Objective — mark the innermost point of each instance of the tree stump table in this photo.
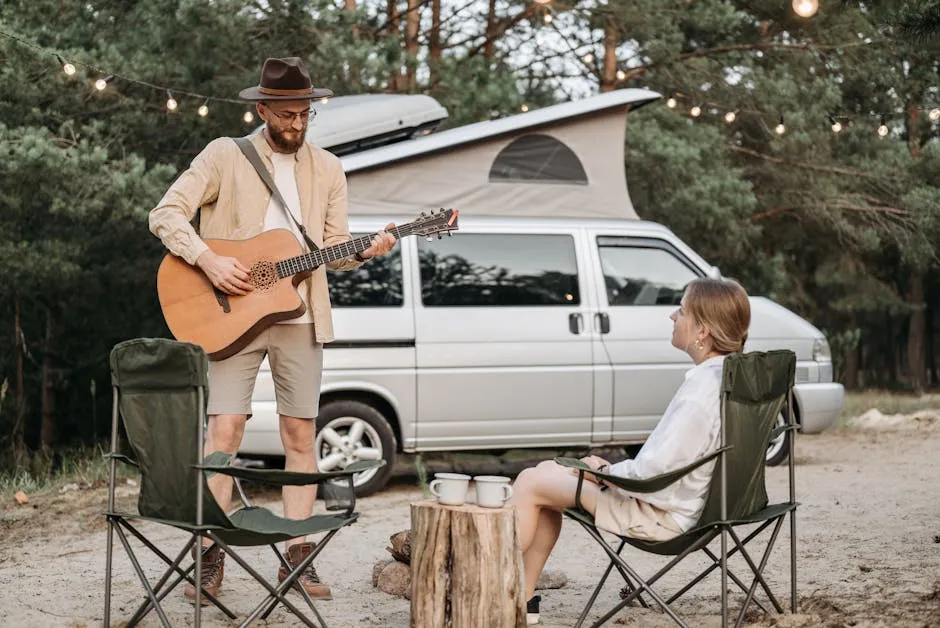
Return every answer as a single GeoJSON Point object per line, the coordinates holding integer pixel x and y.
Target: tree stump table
{"type": "Point", "coordinates": [466, 567]}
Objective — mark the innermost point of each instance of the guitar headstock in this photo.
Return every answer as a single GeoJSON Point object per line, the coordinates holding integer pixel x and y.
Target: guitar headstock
{"type": "Point", "coordinates": [440, 222]}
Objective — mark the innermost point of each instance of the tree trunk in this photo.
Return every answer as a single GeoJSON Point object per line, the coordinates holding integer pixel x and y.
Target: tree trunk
{"type": "Point", "coordinates": [466, 566]}
{"type": "Point", "coordinates": [18, 437]}
{"type": "Point", "coordinates": [412, 22]}
{"type": "Point", "coordinates": [350, 5]}
{"type": "Point", "coordinates": [49, 374]}
{"type": "Point", "coordinates": [434, 43]}
{"type": "Point", "coordinates": [609, 72]}
{"type": "Point", "coordinates": [489, 46]}
{"type": "Point", "coordinates": [917, 333]}
{"type": "Point", "coordinates": [394, 30]}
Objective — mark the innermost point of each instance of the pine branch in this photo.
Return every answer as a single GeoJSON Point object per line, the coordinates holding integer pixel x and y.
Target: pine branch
{"type": "Point", "coordinates": [805, 165]}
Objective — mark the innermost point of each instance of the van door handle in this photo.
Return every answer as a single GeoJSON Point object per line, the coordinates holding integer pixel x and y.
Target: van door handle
{"type": "Point", "coordinates": [575, 323]}
{"type": "Point", "coordinates": [602, 322]}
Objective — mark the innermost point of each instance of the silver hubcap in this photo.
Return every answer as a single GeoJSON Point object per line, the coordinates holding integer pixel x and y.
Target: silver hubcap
{"type": "Point", "coordinates": [776, 444]}
{"type": "Point", "coordinates": [346, 440]}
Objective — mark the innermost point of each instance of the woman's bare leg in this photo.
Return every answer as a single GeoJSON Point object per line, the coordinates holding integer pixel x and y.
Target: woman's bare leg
{"type": "Point", "coordinates": [540, 494]}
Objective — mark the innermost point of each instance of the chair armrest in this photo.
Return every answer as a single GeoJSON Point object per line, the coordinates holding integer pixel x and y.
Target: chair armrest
{"type": "Point", "coordinates": [215, 463]}
{"type": "Point", "coordinates": [122, 458]}
{"type": "Point", "coordinates": [783, 428]}
{"type": "Point", "coordinates": [646, 485]}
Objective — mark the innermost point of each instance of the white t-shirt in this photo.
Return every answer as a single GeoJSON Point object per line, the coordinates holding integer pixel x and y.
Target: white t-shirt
{"type": "Point", "coordinates": [275, 218]}
{"type": "Point", "coordinates": [689, 430]}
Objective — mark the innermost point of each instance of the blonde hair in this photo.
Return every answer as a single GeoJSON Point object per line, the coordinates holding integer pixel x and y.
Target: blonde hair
{"type": "Point", "coordinates": [722, 306]}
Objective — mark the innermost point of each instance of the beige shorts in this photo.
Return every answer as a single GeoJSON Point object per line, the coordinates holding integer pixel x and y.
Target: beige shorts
{"type": "Point", "coordinates": [296, 361]}
{"type": "Point", "coordinates": [625, 515]}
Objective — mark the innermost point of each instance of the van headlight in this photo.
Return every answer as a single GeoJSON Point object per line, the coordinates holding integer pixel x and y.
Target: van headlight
{"type": "Point", "coordinates": [821, 352]}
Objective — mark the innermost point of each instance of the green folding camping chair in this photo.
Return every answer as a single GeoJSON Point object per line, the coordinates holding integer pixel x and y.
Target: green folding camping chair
{"type": "Point", "coordinates": [160, 395]}
{"type": "Point", "coordinates": [755, 388]}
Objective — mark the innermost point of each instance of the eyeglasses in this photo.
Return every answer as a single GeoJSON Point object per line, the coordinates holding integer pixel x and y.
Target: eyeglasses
{"type": "Point", "coordinates": [288, 116]}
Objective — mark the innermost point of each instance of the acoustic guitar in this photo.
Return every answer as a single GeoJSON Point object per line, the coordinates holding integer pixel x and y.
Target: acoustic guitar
{"type": "Point", "coordinates": [223, 324]}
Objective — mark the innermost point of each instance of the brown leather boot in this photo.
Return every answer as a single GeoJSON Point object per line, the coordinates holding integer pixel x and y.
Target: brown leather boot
{"type": "Point", "coordinates": [308, 579]}
{"type": "Point", "coordinates": [213, 568]}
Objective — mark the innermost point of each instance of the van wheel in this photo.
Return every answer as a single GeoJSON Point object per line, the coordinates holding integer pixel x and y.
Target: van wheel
{"type": "Point", "coordinates": [349, 431]}
{"type": "Point", "coordinates": [779, 447]}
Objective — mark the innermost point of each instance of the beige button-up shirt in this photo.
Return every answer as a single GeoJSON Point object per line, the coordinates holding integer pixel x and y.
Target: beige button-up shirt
{"type": "Point", "coordinates": [234, 199]}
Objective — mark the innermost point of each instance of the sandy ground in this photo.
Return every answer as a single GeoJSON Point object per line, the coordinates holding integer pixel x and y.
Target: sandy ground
{"type": "Point", "coordinates": [868, 552]}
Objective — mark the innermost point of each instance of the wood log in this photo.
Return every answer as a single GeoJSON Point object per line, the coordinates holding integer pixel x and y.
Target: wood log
{"type": "Point", "coordinates": [466, 566]}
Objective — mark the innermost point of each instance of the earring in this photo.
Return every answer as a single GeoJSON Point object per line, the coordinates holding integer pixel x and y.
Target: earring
{"type": "Point", "coordinates": [699, 345]}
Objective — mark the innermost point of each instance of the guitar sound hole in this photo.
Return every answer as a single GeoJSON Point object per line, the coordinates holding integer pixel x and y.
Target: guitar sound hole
{"type": "Point", "coordinates": [264, 275]}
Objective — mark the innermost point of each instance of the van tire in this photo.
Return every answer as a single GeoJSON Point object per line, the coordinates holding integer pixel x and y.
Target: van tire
{"type": "Point", "coordinates": [779, 449]}
{"type": "Point", "coordinates": [339, 416]}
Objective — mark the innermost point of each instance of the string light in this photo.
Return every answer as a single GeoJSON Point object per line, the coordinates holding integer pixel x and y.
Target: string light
{"type": "Point", "coordinates": [695, 111]}
{"type": "Point", "coordinates": [934, 114]}
{"type": "Point", "coordinates": [67, 66]}
{"type": "Point", "coordinates": [171, 103]}
{"type": "Point", "coordinates": [248, 117]}
{"type": "Point", "coordinates": [589, 58]}
{"type": "Point", "coordinates": [883, 129]}
{"type": "Point", "coordinates": [731, 116]}
{"type": "Point", "coordinates": [835, 125]}
{"type": "Point", "coordinates": [621, 75]}
{"type": "Point", "coordinates": [805, 8]}
{"type": "Point", "coordinates": [524, 108]}
{"type": "Point", "coordinates": [781, 128]}
{"type": "Point", "coordinates": [203, 110]}
{"type": "Point", "coordinates": [671, 102]}
{"type": "Point", "coordinates": [547, 18]}
{"type": "Point", "coordinates": [102, 83]}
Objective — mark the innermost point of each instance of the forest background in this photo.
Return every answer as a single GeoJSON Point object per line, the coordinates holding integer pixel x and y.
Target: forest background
{"type": "Point", "coordinates": [822, 192]}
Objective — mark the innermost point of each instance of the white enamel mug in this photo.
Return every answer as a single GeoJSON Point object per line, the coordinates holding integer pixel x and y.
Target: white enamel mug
{"type": "Point", "coordinates": [493, 491]}
{"type": "Point", "coordinates": [450, 488]}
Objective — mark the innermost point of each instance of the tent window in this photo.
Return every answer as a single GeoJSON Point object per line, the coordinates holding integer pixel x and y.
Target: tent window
{"type": "Point", "coordinates": [539, 158]}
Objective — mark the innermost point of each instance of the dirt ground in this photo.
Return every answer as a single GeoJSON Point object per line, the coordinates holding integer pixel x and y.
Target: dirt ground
{"type": "Point", "coordinates": [868, 551]}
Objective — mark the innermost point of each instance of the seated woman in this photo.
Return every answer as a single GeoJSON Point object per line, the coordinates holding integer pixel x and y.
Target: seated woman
{"type": "Point", "coordinates": [711, 322]}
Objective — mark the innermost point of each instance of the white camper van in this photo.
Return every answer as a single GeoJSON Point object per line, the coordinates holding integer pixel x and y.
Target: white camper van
{"type": "Point", "coordinates": [543, 322]}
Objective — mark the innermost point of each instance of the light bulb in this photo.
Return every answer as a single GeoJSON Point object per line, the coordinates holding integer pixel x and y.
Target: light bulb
{"type": "Point", "coordinates": [934, 114]}
{"type": "Point", "coordinates": [548, 18]}
{"type": "Point", "coordinates": [68, 68]}
{"type": "Point", "coordinates": [248, 117]}
{"type": "Point", "coordinates": [203, 110]}
{"type": "Point", "coordinates": [805, 8]}
{"type": "Point", "coordinates": [524, 108]}
{"type": "Point", "coordinates": [171, 103]}
{"type": "Point", "coordinates": [695, 111]}
{"type": "Point", "coordinates": [730, 117]}
{"type": "Point", "coordinates": [836, 127]}
{"type": "Point", "coordinates": [883, 130]}
{"type": "Point", "coordinates": [100, 84]}
{"type": "Point", "coordinates": [780, 129]}
{"type": "Point", "coordinates": [588, 58]}
{"type": "Point", "coordinates": [671, 102]}
{"type": "Point", "coordinates": [621, 75]}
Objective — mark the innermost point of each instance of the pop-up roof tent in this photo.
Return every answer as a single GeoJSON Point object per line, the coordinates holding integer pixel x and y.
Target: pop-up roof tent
{"type": "Point", "coordinates": [560, 161]}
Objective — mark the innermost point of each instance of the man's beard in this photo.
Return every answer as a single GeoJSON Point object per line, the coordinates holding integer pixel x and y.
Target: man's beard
{"type": "Point", "coordinates": [286, 144]}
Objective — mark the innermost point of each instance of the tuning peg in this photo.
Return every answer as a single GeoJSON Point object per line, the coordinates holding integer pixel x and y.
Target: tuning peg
{"type": "Point", "coordinates": [450, 234]}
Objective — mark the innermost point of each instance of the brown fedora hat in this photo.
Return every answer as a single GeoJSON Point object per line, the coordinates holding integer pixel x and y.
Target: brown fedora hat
{"type": "Point", "coordinates": [284, 79]}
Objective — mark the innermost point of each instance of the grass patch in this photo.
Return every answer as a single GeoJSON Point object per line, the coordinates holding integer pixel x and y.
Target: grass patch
{"type": "Point", "coordinates": [85, 466]}
{"type": "Point", "coordinates": [857, 403]}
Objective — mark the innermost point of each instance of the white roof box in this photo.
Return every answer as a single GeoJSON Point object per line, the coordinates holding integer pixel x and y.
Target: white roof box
{"type": "Point", "coordinates": [348, 124]}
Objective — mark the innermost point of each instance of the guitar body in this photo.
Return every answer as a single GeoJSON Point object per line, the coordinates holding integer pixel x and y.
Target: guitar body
{"type": "Point", "coordinates": [224, 324]}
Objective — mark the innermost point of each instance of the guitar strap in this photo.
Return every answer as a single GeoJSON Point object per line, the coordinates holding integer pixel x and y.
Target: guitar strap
{"type": "Point", "coordinates": [255, 159]}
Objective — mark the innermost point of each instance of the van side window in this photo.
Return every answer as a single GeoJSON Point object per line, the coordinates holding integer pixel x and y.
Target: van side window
{"type": "Point", "coordinates": [499, 270]}
{"type": "Point", "coordinates": [377, 283]}
{"type": "Point", "coordinates": [640, 271]}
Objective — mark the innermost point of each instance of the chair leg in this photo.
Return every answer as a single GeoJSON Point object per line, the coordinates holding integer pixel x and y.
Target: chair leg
{"type": "Point", "coordinates": [174, 567]}
{"type": "Point", "coordinates": [758, 573]}
{"type": "Point", "coordinates": [276, 594]}
{"type": "Point", "coordinates": [597, 589]}
{"type": "Point", "coordinates": [109, 553]}
{"type": "Point", "coordinates": [792, 557]}
{"type": "Point", "coordinates": [303, 592]}
{"type": "Point", "coordinates": [143, 578]}
{"type": "Point", "coordinates": [642, 585]}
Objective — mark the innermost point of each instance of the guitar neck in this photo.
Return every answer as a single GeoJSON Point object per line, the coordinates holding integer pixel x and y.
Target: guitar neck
{"type": "Point", "coordinates": [314, 259]}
